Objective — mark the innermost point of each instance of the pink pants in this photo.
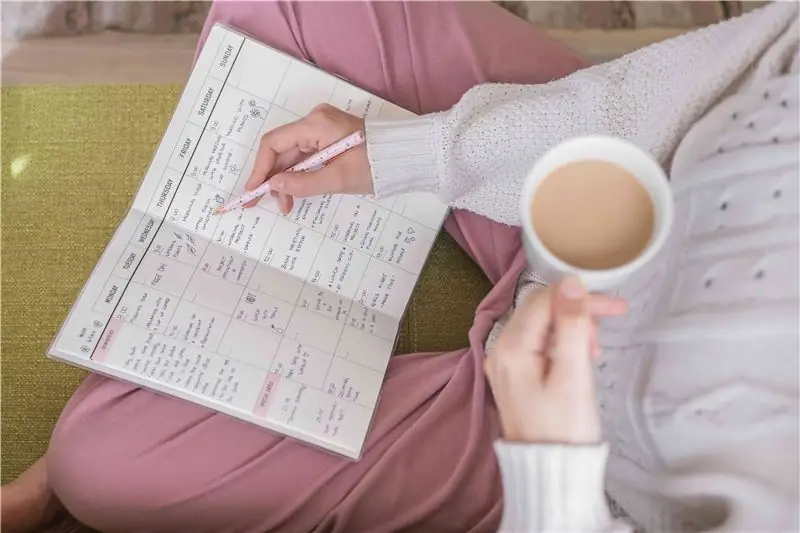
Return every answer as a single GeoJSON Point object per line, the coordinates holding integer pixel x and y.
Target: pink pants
{"type": "Point", "coordinates": [125, 459]}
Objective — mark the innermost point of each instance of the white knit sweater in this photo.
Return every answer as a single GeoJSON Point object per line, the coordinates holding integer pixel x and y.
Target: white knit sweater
{"type": "Point", "coordinates": [698, 386]}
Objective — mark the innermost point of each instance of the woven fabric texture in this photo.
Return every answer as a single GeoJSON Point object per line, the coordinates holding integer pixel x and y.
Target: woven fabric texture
{"type": "Point", "coordinates": [72, 158]}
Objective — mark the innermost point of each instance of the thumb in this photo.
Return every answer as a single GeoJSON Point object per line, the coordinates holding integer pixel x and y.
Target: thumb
{"type": "Point", "coordinates": [572, 334]}
{"type": "Point", "coordinates": [327, 180]}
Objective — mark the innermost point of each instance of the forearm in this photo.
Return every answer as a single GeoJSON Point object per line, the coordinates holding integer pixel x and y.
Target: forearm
{"type": "Point", "coordinates": [476, 155]}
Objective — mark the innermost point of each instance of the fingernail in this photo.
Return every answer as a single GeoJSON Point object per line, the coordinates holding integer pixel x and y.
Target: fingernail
{"type": "Point", "coordinates": [572, 289]}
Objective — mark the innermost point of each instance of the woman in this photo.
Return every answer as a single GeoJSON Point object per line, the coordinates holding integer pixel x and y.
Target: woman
{"type": "Point", "coordinates": [697, 387]}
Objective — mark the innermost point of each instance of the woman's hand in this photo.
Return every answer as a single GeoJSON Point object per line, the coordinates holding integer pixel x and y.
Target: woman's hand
{"type": "Point", "coordinates": [289, 144]}
{"type": "Point", "coordinates": [540, 369]}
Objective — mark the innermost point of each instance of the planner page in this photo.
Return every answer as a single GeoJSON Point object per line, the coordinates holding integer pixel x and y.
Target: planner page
{"type": "Point", "coordinates": [284, 321]}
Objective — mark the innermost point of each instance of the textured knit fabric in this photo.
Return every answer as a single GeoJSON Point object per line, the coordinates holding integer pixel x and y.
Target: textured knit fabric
{"type": "Point", "coordinates": [476, 155]}
{"type": "Point", "coordinates": [698, 386]}
{"type": "Point", "coordinates": [125, 459]}
{"type": "Point", "coordinates": [553, 488]}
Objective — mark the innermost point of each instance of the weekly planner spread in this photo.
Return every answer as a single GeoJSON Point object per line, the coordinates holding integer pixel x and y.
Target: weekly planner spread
{"type": "Point", "coordinates": [284, 321]}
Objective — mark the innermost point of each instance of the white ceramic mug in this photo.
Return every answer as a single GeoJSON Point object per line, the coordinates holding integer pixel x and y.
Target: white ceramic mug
{"type": "Point", "coordinates": [623, 154]}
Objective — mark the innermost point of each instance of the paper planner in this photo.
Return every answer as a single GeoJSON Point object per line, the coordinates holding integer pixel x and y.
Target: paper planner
{"type": "Point", "coordinates": [284, 321]}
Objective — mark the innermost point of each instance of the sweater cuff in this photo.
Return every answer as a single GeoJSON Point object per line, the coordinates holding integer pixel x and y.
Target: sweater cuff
{"type": "Point", "coordinates": [402, 155]}
{"type": "Point", "coordinates": [553, 488]}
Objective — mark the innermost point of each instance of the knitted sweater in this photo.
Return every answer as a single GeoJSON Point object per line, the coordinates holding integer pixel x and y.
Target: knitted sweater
{"type": "Point", "coordinates": [698, 386]}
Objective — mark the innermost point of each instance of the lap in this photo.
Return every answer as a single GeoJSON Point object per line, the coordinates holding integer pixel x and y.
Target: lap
{"type": "Point", "coordinates": [420, 55]}
{"type": "Point", "coordinates": [119, 450]}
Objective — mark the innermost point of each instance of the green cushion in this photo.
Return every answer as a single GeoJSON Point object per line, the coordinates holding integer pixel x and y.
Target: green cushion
{"type": "Point", "coordinates": [72, 158]}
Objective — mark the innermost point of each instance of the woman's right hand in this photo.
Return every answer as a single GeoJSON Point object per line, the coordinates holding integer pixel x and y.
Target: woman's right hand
{"type": "Point", "coordinates": [286, 145]}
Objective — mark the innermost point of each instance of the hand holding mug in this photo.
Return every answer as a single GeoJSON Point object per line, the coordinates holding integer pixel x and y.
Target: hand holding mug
{"type": "Point", "coordinates": [540, 369]}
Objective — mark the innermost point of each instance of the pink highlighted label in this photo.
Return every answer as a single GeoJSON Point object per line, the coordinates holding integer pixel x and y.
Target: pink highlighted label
{"type": "Point", "coordinates": [107, 340]}
{"type": "Point", "coordinates": [267, 392]}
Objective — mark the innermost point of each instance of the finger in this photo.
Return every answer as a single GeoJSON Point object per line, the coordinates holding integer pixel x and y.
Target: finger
{"type": "Point", "coordinates": [327, 180]}
{"type": "Point", "coordinates": [531, 322]}
{"type": "Point", "coordinates": [282, 161]}
{"type": "Point", "coordinates": [285, 203]}
{"type": "Point", "coordinates": [594, 345]}
{"type": "Point", "coordinates": [603, 305]}
{"type": "Point", "coordinates": [251, 203]}
{"type": "Point", "coordinates": [519, 349]}
{"type": "Point", "coordinates": [293, 136]}
{"type": "Point", "coordinates": [507, 374]}
{"type": "Point", "coordinates": [272, 194]}
{"type": "Point", "coordinates": [268, 161]}
{"type": "Point", "coordinates": [286, 160]}
{"type": "Point", "coordinates": [572, 334]}
{"type": "Point", "coordinates": [529, 327]}
{"type": "Point", "coordinates": [265, 161]}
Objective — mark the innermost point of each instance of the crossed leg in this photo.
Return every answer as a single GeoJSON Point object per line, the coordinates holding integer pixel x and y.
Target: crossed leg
{"type": "Point", "coordinates": [122, 458]}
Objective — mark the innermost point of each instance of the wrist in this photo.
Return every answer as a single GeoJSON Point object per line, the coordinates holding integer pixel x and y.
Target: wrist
{"type": "Point", "coordinates": [402, 155]}
{"type": "Point", "coordinates": [553, 488]}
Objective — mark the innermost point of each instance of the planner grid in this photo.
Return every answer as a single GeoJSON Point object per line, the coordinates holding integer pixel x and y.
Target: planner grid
{"type": "Point", "coordinates": [286, 321]}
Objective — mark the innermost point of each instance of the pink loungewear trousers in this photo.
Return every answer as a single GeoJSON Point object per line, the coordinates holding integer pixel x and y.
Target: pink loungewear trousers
{"type": "Point", "coordinates": [125, 459]}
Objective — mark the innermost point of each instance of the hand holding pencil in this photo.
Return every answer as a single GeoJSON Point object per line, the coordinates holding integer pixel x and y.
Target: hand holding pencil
{"type": "Point", "coordinates": [324, 133]}
{"type": "Point", "coordinates": [316, 162]}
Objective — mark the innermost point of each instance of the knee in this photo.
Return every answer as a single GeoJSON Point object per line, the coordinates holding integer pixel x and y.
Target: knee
{"type": "Point", "coordinates": [93, 473]}
{"type": "Point", "coordinates": [78, 472]}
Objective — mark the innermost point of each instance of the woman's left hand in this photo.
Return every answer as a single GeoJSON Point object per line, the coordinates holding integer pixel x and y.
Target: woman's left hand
{"type": "Point", "coordinates": [540, 369]}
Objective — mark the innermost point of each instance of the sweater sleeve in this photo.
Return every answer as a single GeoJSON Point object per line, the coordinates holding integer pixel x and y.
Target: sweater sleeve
{"type": "Point", "coordinates": [476, 155]}
{"type": "Point", "coordinates": [554, 489]}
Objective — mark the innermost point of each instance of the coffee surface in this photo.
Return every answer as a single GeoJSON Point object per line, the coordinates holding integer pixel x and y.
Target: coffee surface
{"type": "Point", "coordinates": [593, 214]}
